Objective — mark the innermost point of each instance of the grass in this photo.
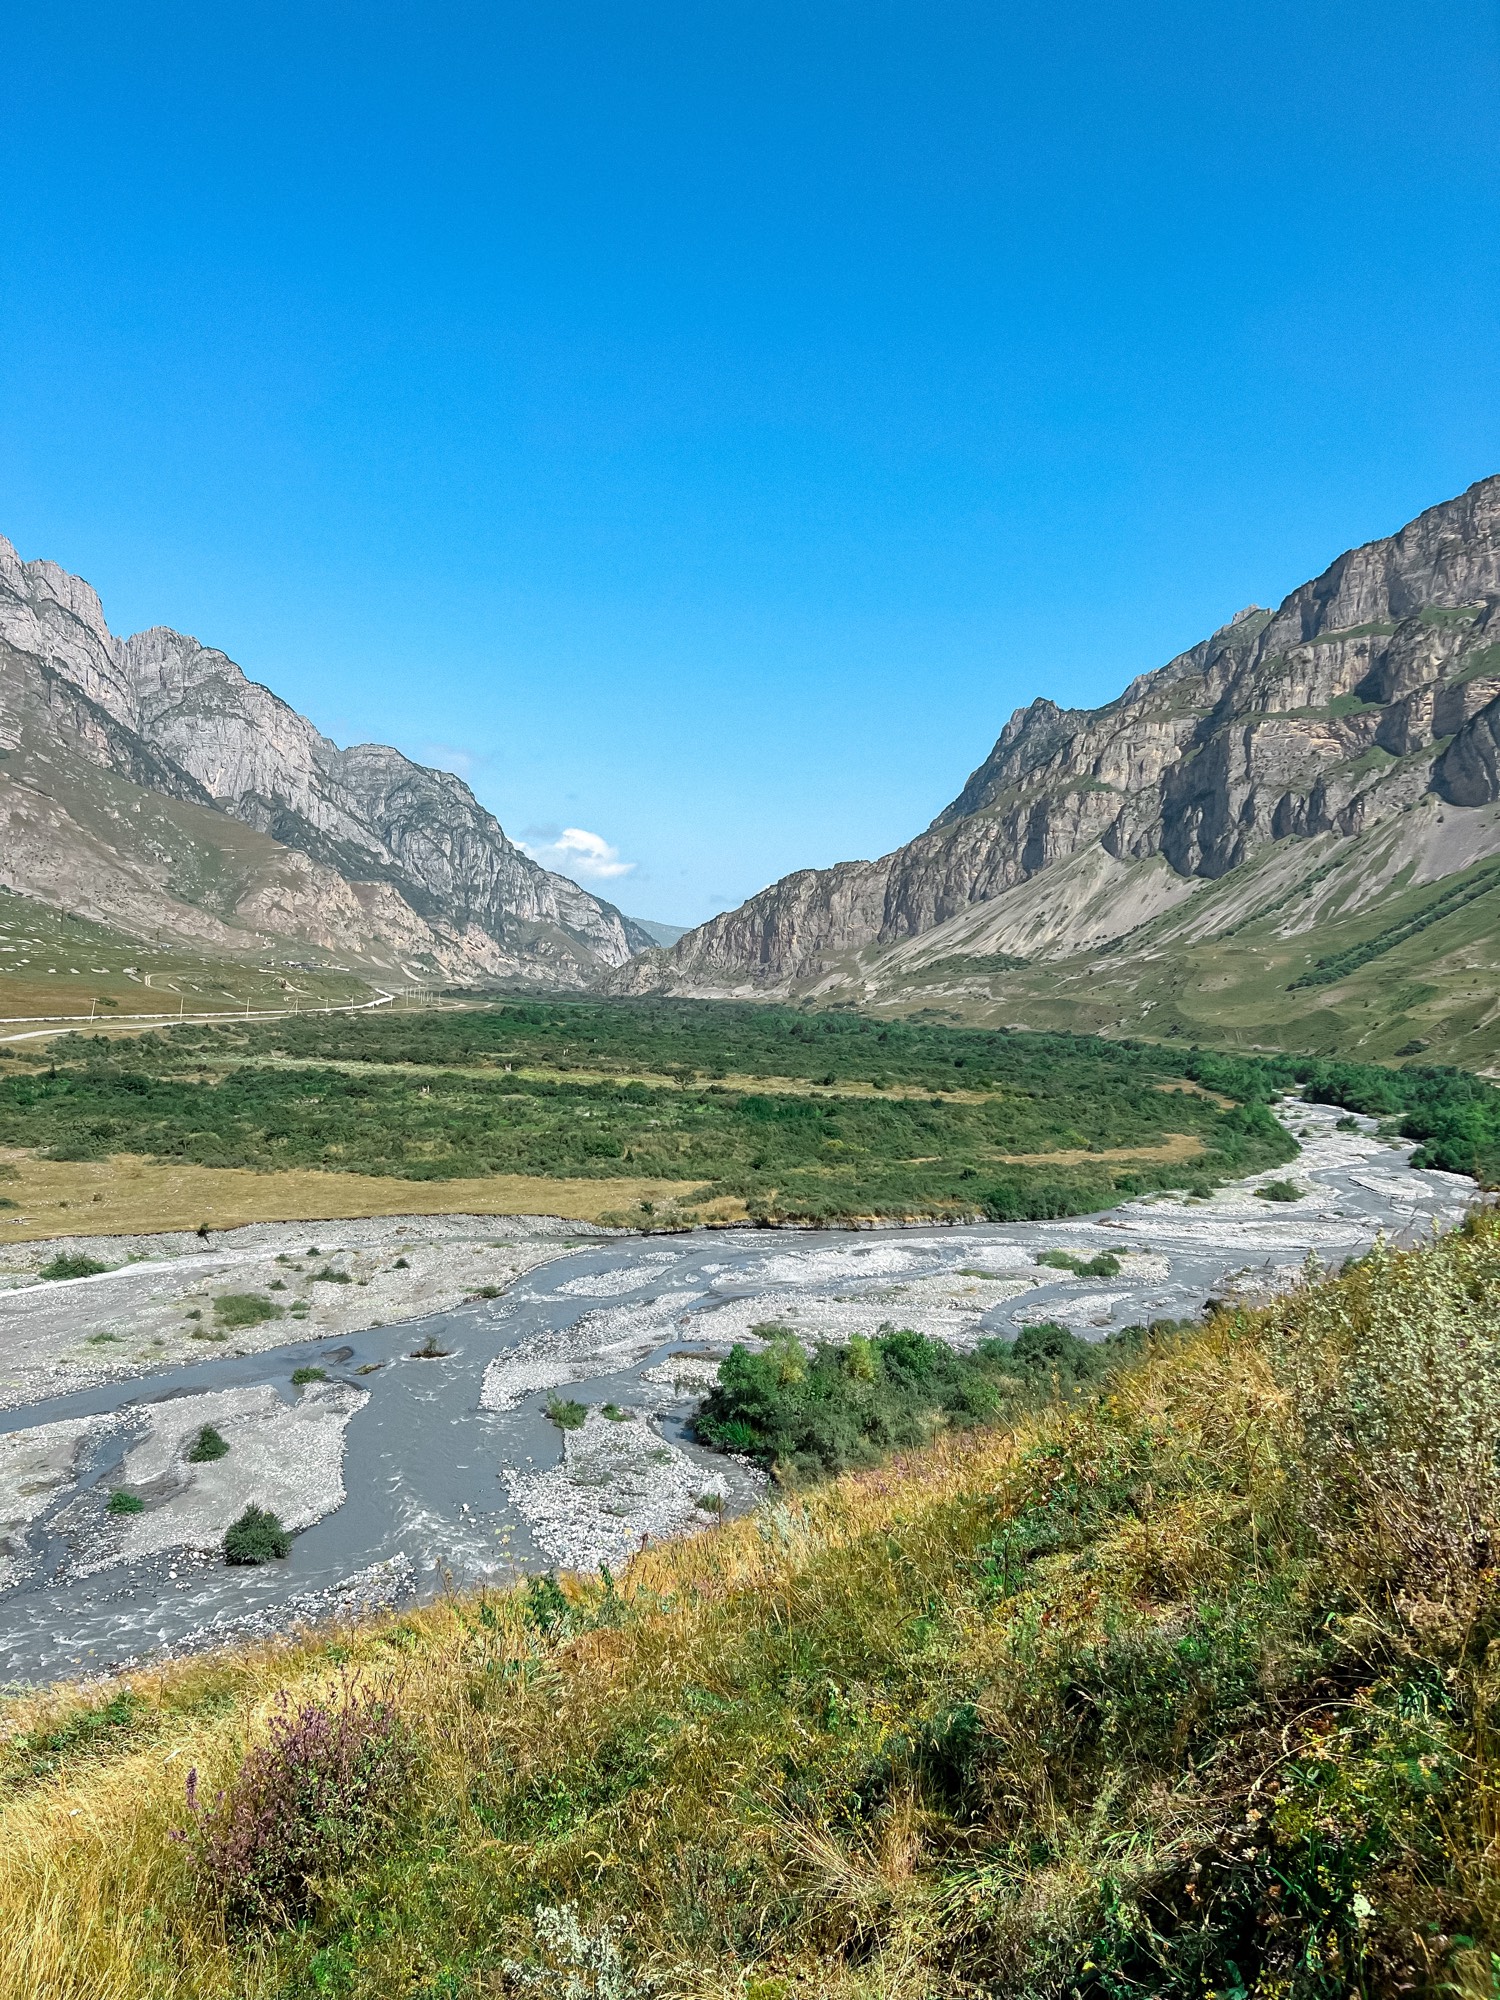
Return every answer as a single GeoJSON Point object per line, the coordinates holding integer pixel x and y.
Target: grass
{"type": "Point", "coordinates": [1326, 971]}
{"type": "Point", "coordinates": [1180, 1688]}
{"type": "Point", "coordinates": [237, 1309]}
{"type": "Point", "coordinates": [59, 964]}
{"type": "Point", "coordinates": [126, 1193]}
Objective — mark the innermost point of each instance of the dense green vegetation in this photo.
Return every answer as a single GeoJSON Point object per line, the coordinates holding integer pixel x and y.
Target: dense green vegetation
{"type": "Point", "coordinates": [852, 1404]}
{"type": "Point", "coordinates": [256, 1537]}
{"type": "Point", "coordinates": [799, 1115]}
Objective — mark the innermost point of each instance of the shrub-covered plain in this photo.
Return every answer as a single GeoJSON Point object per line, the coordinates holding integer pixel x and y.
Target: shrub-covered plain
{"type": "Point", "coordinates": [1185, 1684]}
{"type": "Point", "coordinates": [798, 1116]}
{"type": "Point", "coordinates": [795, 1116]}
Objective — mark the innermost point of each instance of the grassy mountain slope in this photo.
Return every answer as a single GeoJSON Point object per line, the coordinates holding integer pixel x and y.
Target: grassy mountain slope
{"type": "Point", "coordinates": [1185, 1689]}
{"type": "Point", "coordinates": [54, 964]}
{"type": "Point", "coordinates": [1327, 949]}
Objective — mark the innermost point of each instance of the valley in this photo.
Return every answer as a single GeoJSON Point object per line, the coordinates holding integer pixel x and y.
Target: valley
{"type": "Point", "coordinates": [444, 1469]}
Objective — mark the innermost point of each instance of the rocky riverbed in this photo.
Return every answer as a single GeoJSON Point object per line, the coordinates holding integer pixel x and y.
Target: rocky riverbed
{"type": "Point", "coordinates": [421, 1453]}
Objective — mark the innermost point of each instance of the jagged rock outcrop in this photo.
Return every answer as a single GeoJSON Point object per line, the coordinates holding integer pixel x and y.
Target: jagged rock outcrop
{"type": "Point", "coordinates": [360, 846]}
{"type": "Point", "coordinates": [1326, 715]}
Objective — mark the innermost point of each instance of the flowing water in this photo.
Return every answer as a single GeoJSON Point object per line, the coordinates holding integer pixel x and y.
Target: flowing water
{"type": "Point", "coordinates": [452, 1473]}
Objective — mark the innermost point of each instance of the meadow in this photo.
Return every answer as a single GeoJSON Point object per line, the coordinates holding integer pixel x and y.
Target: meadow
{"type": "Point", "coordinates": [1183, 1684]}
{"type": "Point", "coordinates": [782, 1116]}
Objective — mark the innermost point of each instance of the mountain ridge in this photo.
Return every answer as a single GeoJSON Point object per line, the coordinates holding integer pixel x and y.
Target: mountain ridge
{"type": "Point", "coordinates": [1371, 692]}
{"type": "Point", "coordinates": [361, 850]}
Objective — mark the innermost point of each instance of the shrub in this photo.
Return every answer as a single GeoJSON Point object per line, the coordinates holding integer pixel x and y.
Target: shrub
{"type": "Point", "coordinates": [401, 1265]}
{"type": "Point", "coordinates": [847, 1406]}
{"type": "Point", "coordinates": [207, 1446]}
{"type": "Point", "coordinates": [328, 1276]}
{"type": "Point", "coordinates": [302, 1376]}
{"type": "Point", "coordinates": [63, 1266]}
{"type": "Point", "coordinates": [323, 1790]}
{"type": "Point", "coordinates": [566, 1414]}
{"type": "Point", "coordinates": [1280, 1191]}
{"type": "Point", "coordinates": [572, 1961]}
{"type": "Point", "coordinates": [430, 1350]}
{"type": "Point", "coordinates": [125, 1503]}
{"type": "Point", "coordinates": [234, 1309]}
{"type": "Point", "coordinates": [1105, 1265]}
{"type": "Point", "coordinates": [256, 1537]}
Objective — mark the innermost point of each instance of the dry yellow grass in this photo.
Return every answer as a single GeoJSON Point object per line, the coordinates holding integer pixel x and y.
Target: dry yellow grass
{"type": "Point", "coordinates": [94, 1880]}
{"type": "Point", "coordinates": [127, 1197]}
{"type": "Point", "coordinates": [763, 1669]}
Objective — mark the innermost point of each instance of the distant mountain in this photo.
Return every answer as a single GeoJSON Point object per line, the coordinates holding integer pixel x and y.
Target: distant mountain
{"type": "Point", "coordinates": [662, 934]}
{"type": "Point", "coordinates": [1286, 784]}
{"type": "Point", "coordinates": [146, 782]}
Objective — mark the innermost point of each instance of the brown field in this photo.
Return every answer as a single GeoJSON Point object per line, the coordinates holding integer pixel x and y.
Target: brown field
{"type": "Point", "coordinates": [128, 1196]}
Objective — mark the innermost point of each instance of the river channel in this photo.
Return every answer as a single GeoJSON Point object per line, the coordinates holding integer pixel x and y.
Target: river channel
{"type": "Point", "coordinates": [425, 1459]}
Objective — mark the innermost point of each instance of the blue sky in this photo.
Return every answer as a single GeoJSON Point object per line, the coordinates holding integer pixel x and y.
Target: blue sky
{"type": "Point", "coordinates": [703, 424]}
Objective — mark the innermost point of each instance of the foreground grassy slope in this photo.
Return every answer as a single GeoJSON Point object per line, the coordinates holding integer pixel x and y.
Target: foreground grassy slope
{"type": "Point", "coordinates": [1187, 1689]}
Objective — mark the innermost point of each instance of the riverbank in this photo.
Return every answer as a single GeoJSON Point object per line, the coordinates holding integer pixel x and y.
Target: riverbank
{"type": "Point", "coordinates": [448, 1460]}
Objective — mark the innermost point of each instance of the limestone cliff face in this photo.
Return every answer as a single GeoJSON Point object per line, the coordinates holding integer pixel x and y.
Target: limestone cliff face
{"type": "Point", "coordinates": [385, 849]}
{"type": "Point", "coordinates": [1375, 683]}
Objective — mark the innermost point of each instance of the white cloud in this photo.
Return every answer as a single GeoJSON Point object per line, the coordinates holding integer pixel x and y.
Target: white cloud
{"type": "Point", "coordinates": [577, 852]}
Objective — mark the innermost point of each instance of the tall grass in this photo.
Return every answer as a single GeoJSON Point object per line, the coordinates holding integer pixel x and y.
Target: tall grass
{"type": "Point", "coordinates": [1186, 1689]}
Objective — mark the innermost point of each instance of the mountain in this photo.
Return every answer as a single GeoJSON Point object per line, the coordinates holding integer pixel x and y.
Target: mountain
{"type": "Point", "coordinates": [146, 782]}
{"type": "Point", "coordinates": [1296, 780]}
{"type": "Point", "coordinates": [662, 934]}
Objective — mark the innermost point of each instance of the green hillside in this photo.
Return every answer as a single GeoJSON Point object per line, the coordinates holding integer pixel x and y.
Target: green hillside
{"type": "Point", "coordinates": [1414, 971]}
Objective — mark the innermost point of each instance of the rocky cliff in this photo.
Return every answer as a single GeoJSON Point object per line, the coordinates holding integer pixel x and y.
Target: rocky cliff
{"type": "Point", "coordinates": [1370, 691]}
{"type": "Point", "coordinates": [123, 758]}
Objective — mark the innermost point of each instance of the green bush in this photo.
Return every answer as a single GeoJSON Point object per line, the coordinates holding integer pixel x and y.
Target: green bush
{"type": "Point", "coordinates": [566, 1414]}
{"type": "Point", "coordinates": [125, 1503]}
{"type": "Point", "coordinates": [807, 1416]}
{"type": "Point", "coordinates": [256, 1537]}
{"type": "Point", "coordinates": [206, 1447]}
{"type": "Point", "coordinates": [1105, 1265]}
{"type": "Point", "coordinates": [302, 1376]}
{"type": "Point", "coordinates": [237, 1309]}
{"type": "Point", "coordinates": [328, 1276]}
{"type": "Point", "coordinates": [63, 1266]}
{"type": "Point", "coordinates": [1280, 1191]}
